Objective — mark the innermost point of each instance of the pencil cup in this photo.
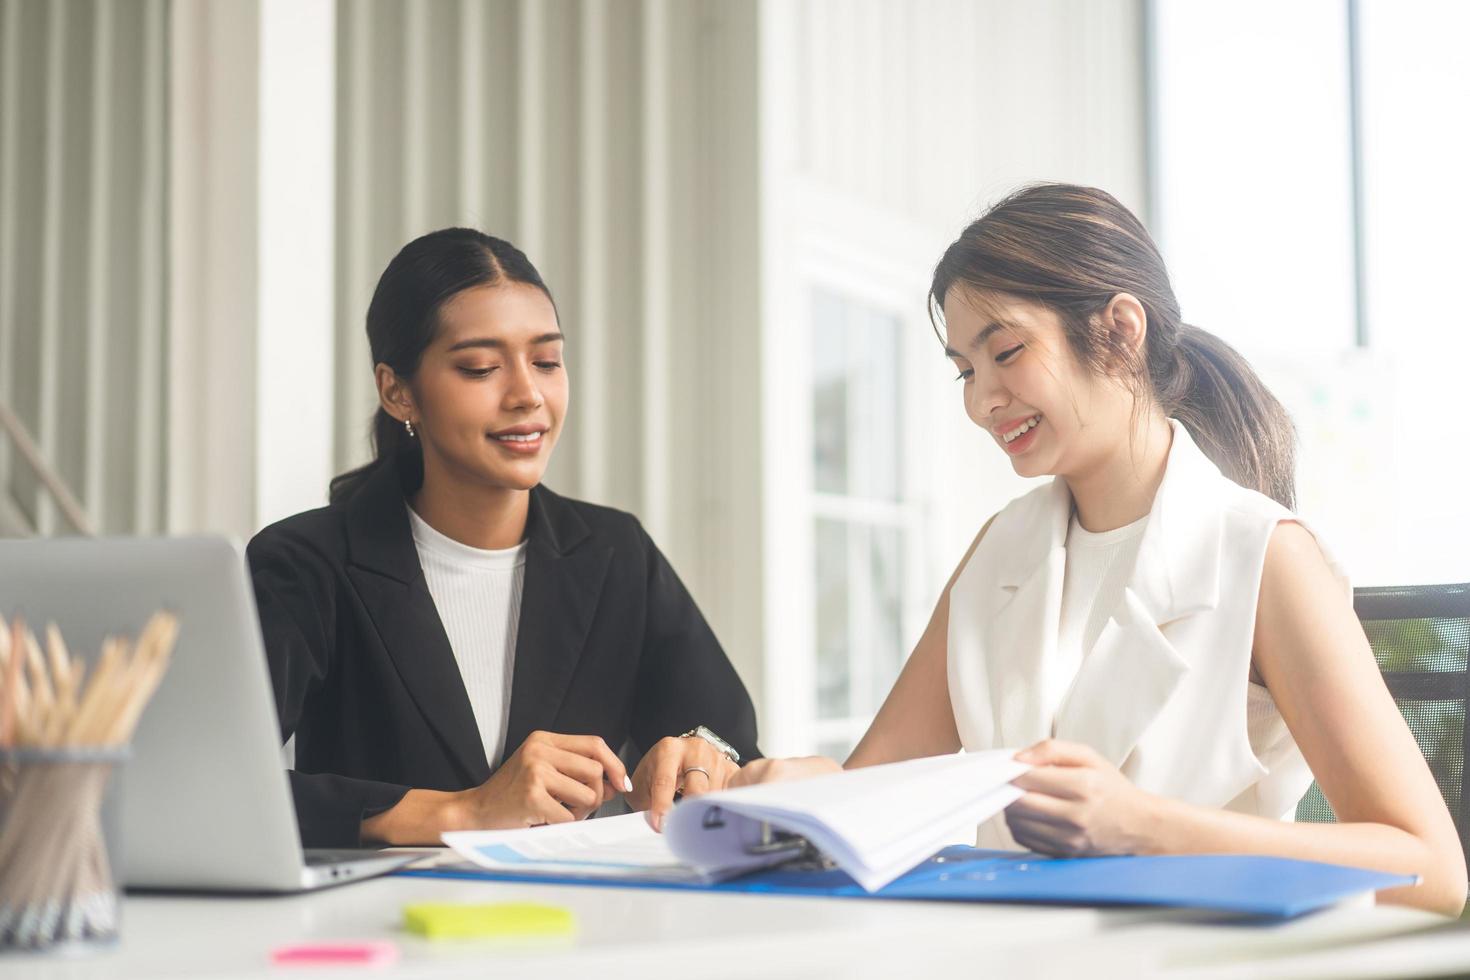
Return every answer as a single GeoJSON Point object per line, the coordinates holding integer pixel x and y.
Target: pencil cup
{"type": "Point", "coordinates": [59, 846]}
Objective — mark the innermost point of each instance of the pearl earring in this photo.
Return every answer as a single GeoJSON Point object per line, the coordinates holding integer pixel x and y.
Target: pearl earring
{"type": "Point", "coordinates": [408, 425]}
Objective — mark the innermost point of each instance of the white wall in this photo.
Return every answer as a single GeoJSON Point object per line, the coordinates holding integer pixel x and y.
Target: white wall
{"type": "Point", "coordinates": [250, 262]}
{"type": "Point", "coordinates": [296, 251]}
{"type": "Point", "coordinates": [213, 301]}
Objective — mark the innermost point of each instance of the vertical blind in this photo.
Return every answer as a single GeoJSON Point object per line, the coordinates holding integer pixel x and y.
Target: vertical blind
{"type": "Point", "coordinates": [83, 134]}
{"type": "Point", "coordinates": [526, 120]}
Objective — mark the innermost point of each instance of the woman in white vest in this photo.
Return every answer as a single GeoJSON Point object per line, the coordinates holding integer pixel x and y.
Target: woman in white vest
{"type": "Point", "coordinates": [1177, 651]}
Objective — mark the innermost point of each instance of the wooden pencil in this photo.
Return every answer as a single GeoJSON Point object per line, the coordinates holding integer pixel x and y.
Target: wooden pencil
{"type": "Point", "coordinates": [55, 878]}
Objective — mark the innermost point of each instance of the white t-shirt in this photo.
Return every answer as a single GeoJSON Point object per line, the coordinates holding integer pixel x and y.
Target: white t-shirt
{"type": "Point", "coordinates": [478, 595]}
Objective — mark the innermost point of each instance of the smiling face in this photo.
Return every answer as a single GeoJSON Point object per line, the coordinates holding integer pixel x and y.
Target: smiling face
{"type": "Point", "coordinates": [490, 393]}
{"type": "Point", "coordinates": [1024, 385]}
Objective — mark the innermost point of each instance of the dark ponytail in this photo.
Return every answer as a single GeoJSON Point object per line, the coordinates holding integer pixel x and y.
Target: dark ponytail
{"type": "Point", "coordinates": [403, 318]}
{"type": "Point", "coordinates": [1231, 414]}
{"type": "Point", "coordinates": [1073, 249]}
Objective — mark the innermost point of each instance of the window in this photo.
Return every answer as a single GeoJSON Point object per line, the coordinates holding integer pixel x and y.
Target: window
{"type": "Point", "coordinates": [862, 530]}
{"type": "Point", "coordinates": [1299, 153]}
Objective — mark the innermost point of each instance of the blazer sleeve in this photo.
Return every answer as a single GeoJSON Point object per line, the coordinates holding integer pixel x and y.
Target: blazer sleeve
{"type": "Point", "coordinates": [295, 594]}
{"type": "Point", "coordinates": [684, 677]}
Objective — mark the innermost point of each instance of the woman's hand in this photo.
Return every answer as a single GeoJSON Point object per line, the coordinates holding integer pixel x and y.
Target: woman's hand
{"type": "Point", "coordinates": [781, 770]}
{"type": "Point", "coordinates": [1077, 804]}
{"type": "Point", "coordinates": [551, 778]}
{"type": "Point", "coordinates": [687, 765]}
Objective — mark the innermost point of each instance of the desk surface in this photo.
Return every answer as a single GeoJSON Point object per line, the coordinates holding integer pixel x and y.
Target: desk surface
{"type": "Point", "coordinates": [645, 933]}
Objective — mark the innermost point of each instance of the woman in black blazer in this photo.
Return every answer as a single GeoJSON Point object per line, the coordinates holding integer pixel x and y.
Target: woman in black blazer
{"type": "Point", "coordinates": [609, 646]}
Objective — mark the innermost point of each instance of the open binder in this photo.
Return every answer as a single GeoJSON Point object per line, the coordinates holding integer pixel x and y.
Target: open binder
{"type": "Point", "coordinates": [874, 823]}
{"type": "Point", "coordinates": [880, 833]}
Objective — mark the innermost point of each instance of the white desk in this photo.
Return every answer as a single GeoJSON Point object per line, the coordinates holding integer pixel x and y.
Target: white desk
{"type": "Point", "coordinates": [648, 933]}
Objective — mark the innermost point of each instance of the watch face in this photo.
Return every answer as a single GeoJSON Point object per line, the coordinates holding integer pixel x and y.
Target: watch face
{"type": "Point", "coordinates": [717, 742]}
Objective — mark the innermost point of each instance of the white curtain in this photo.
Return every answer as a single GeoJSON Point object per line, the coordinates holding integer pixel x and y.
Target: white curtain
{"type": "Point", "coordinates": [83, 140]}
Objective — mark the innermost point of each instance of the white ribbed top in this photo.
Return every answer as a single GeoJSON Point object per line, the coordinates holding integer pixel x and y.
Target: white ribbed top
{"type": "Point", "coordinates": [1098, 566]}
{"type": "Point", "coordinates": [478, 595]}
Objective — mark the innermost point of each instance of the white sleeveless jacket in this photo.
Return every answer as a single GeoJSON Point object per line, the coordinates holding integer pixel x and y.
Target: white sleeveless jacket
{"type": "Point", "coordinates": [1165, 692]}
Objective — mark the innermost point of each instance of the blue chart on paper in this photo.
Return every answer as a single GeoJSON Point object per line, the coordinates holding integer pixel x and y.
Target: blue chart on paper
{"type": "Point", "coordinates": [1253, 886]}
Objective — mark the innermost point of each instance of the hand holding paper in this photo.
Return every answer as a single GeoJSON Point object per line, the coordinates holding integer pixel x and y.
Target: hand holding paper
{"type": "Point", "coordinates": [1076, 804]}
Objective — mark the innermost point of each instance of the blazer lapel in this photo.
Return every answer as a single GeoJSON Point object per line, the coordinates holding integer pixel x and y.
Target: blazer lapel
{"type": "Point", "coordinates": [385, 570]}
{"type": "Point", "coordinates": [1124, 682]}
{"type": "Point", "coordinates": [560, 594]}
{"type": "Point", "coordinates": [1133, 669]}
{"type": "Point", "coordinates": [1022, 634]}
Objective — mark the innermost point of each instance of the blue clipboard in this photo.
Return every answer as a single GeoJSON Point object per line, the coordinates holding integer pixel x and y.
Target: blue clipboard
{"type": "Point", "coordinates": [1266, 887]}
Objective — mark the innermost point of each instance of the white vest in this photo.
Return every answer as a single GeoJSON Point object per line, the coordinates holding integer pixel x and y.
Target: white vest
{"type": "Point", "coordinates": [1165, 692]}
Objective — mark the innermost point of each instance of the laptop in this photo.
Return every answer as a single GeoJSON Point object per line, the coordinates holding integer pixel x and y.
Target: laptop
{"type": "Point", "coordinates": [206, 803]}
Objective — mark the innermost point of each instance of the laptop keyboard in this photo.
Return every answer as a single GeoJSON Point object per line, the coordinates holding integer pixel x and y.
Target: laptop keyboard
{"type": "Point", "coordinates": [316, 856]}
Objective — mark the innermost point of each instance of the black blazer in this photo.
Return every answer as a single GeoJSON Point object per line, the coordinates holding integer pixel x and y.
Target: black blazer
{"type": "Point", "coordinates": [609, 643]}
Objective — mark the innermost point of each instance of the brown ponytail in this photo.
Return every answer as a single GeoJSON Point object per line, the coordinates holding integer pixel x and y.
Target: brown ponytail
{"type": "Point", "coordinates": [1073, 249]}
{"type": "Point", "coordinates": [1233, 417]}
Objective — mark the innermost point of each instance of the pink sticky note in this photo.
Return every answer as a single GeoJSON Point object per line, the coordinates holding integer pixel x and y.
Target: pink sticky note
{"type": "Point", "coordinates": [336, 954]}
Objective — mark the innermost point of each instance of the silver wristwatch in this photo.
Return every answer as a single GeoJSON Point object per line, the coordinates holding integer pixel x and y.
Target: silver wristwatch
{"type": "Point", "coordinates": [721, 746]}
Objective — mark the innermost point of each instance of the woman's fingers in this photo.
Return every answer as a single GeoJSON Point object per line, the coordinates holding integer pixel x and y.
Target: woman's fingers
{"type": "Point", "coordinates": [1055, 752]}
{"type": "Point", "coordinates": [666, 771]}
{"type": "Point", "coordinates": [1066, 784]}
{"type": "Point", "coordinates": [750, 774]}
{"type": "Point", "coordinates": [585, 771]}
{"type": "Point", "coordinates": [1036, 836]}
{"type": "Point", "coordinates": [1048, 838]}
{"type": "Point", "coordinates": [776, 770]}
{"type": "Point", "coordinates": [663, 778]}
{"type": "Point", "coordinates": [545, 808]}
{"type": "Point", "coordinates": [696, 781]}
{"type": "Point", "coordinates": [1042, 808]}
{"type": "Point", "coordinates": [572, 794]}
{"type": "Point", "coordinates": [705, 770]}
{"type": "Point", "coordinates": [594, 748]}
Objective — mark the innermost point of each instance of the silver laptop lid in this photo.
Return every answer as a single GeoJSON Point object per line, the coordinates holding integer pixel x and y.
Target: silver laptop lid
{"type": "Point", "coordinates": [206, 802]}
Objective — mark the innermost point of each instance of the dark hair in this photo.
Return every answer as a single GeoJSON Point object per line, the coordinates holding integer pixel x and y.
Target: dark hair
{"type": "Point", "coordinates": [1073, 249]}
{"type": "Point", "coordinates": [403, 318]}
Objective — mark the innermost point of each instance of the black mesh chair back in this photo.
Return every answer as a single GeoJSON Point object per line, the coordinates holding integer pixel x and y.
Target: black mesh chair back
{"type": "Point", "coordinates": [1421, 637]}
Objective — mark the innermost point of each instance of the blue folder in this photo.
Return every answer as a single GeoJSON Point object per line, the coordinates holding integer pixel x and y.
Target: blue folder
{"type": "Point", "coordinates": [1267, 887]}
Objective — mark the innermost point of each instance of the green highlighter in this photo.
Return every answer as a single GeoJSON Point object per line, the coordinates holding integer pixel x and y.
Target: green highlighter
{"type": "Point", "coordinates": [447, 920]}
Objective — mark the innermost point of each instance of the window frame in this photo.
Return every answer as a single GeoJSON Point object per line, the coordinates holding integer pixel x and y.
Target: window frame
{"type": "Point", "coordinates": [836, 252]}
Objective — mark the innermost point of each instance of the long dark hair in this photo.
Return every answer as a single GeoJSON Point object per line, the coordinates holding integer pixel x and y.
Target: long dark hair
{"type": "Point", "coordinates": [403, 318]}
{"type": "Point", "coordinates": [1073, 249]}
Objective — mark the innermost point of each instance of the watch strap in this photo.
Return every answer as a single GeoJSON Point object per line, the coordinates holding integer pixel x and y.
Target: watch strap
{"type": "Point", "coordinates": [720, 745]}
